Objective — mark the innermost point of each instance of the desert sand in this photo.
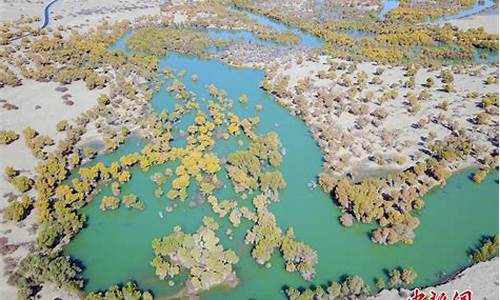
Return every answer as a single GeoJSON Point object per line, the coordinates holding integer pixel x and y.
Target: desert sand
{"type": "Point", "coordinates": [352, 155]}
{"type": "Point", "coordinates": [488, 22]}
{"type": "Point", "coordinates": [481, 279]}
{"type": "Point", "coordinates": [40, 107]}
{"type": "Point", "coordinates": [79, 12]}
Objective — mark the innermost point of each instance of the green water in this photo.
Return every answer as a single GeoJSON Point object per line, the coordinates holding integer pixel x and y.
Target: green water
{"type": "Point", "coordinates": [116, 245]}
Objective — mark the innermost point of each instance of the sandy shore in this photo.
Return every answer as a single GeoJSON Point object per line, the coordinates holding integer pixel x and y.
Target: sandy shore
{"type": "Point", "coordinates": [488, 22]}
{"type": "Point", "coordinates": [482, 279]}
{"type": "Point", "coordinates": [41, 107]}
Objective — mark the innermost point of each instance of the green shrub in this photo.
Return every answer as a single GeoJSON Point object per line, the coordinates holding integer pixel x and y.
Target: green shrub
{"type": "Point", "coordinates": [18, 209]}
{"type": "Point", "coordinates": [8, 136]}
{"type": "Point", "coordinates": [487, 250]}
{"type": "Point", "coordinates": [22, 183]}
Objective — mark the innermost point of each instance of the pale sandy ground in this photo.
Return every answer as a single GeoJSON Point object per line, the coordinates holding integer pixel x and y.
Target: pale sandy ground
{"type": "Point", "coordinates": [79, 12]}
{"type": "Point", "coordinates": [481, 279]}
{"type": "Point", "coordinates": [356, 145]}
{"type": "Point", "coordinates": [11, 10]}
{"type": "Point", "coordinates": [52, 110]}
{"type": "Point", "coordinates": [90, 12]}
{"type": "Point", "coordinates": [51, 291]}
{"type": "Point", "coordinates": [44, 120]}
{"type": "Point", "coordinates": [488, 22]}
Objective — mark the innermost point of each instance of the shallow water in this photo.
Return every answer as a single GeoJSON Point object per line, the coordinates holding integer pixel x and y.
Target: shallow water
{"type": "Point", "coordinates": [359, 34]}
{"type": "Point", "coordinates": [482, 55]}
{"type": "Point", "coordinates": [387, 6]}
{"type": "Point", "coordinates": [116, 245]}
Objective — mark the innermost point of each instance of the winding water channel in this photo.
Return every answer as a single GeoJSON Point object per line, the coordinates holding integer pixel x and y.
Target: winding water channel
{"type": "Point", "coordinates": [46, 14]}
{"type": "Point", "coordinates": [116, 245]}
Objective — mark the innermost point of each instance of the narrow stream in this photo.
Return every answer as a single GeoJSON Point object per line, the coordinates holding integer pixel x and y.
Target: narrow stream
{"type": "Point", "coordinates": [46, 14]}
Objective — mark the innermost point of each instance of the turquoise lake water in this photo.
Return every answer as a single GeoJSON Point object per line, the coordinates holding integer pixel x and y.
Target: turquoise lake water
{"type": "Point", "coordinates": [387, 6]}
{"type": "Point", "coordinates": [116, 245]}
